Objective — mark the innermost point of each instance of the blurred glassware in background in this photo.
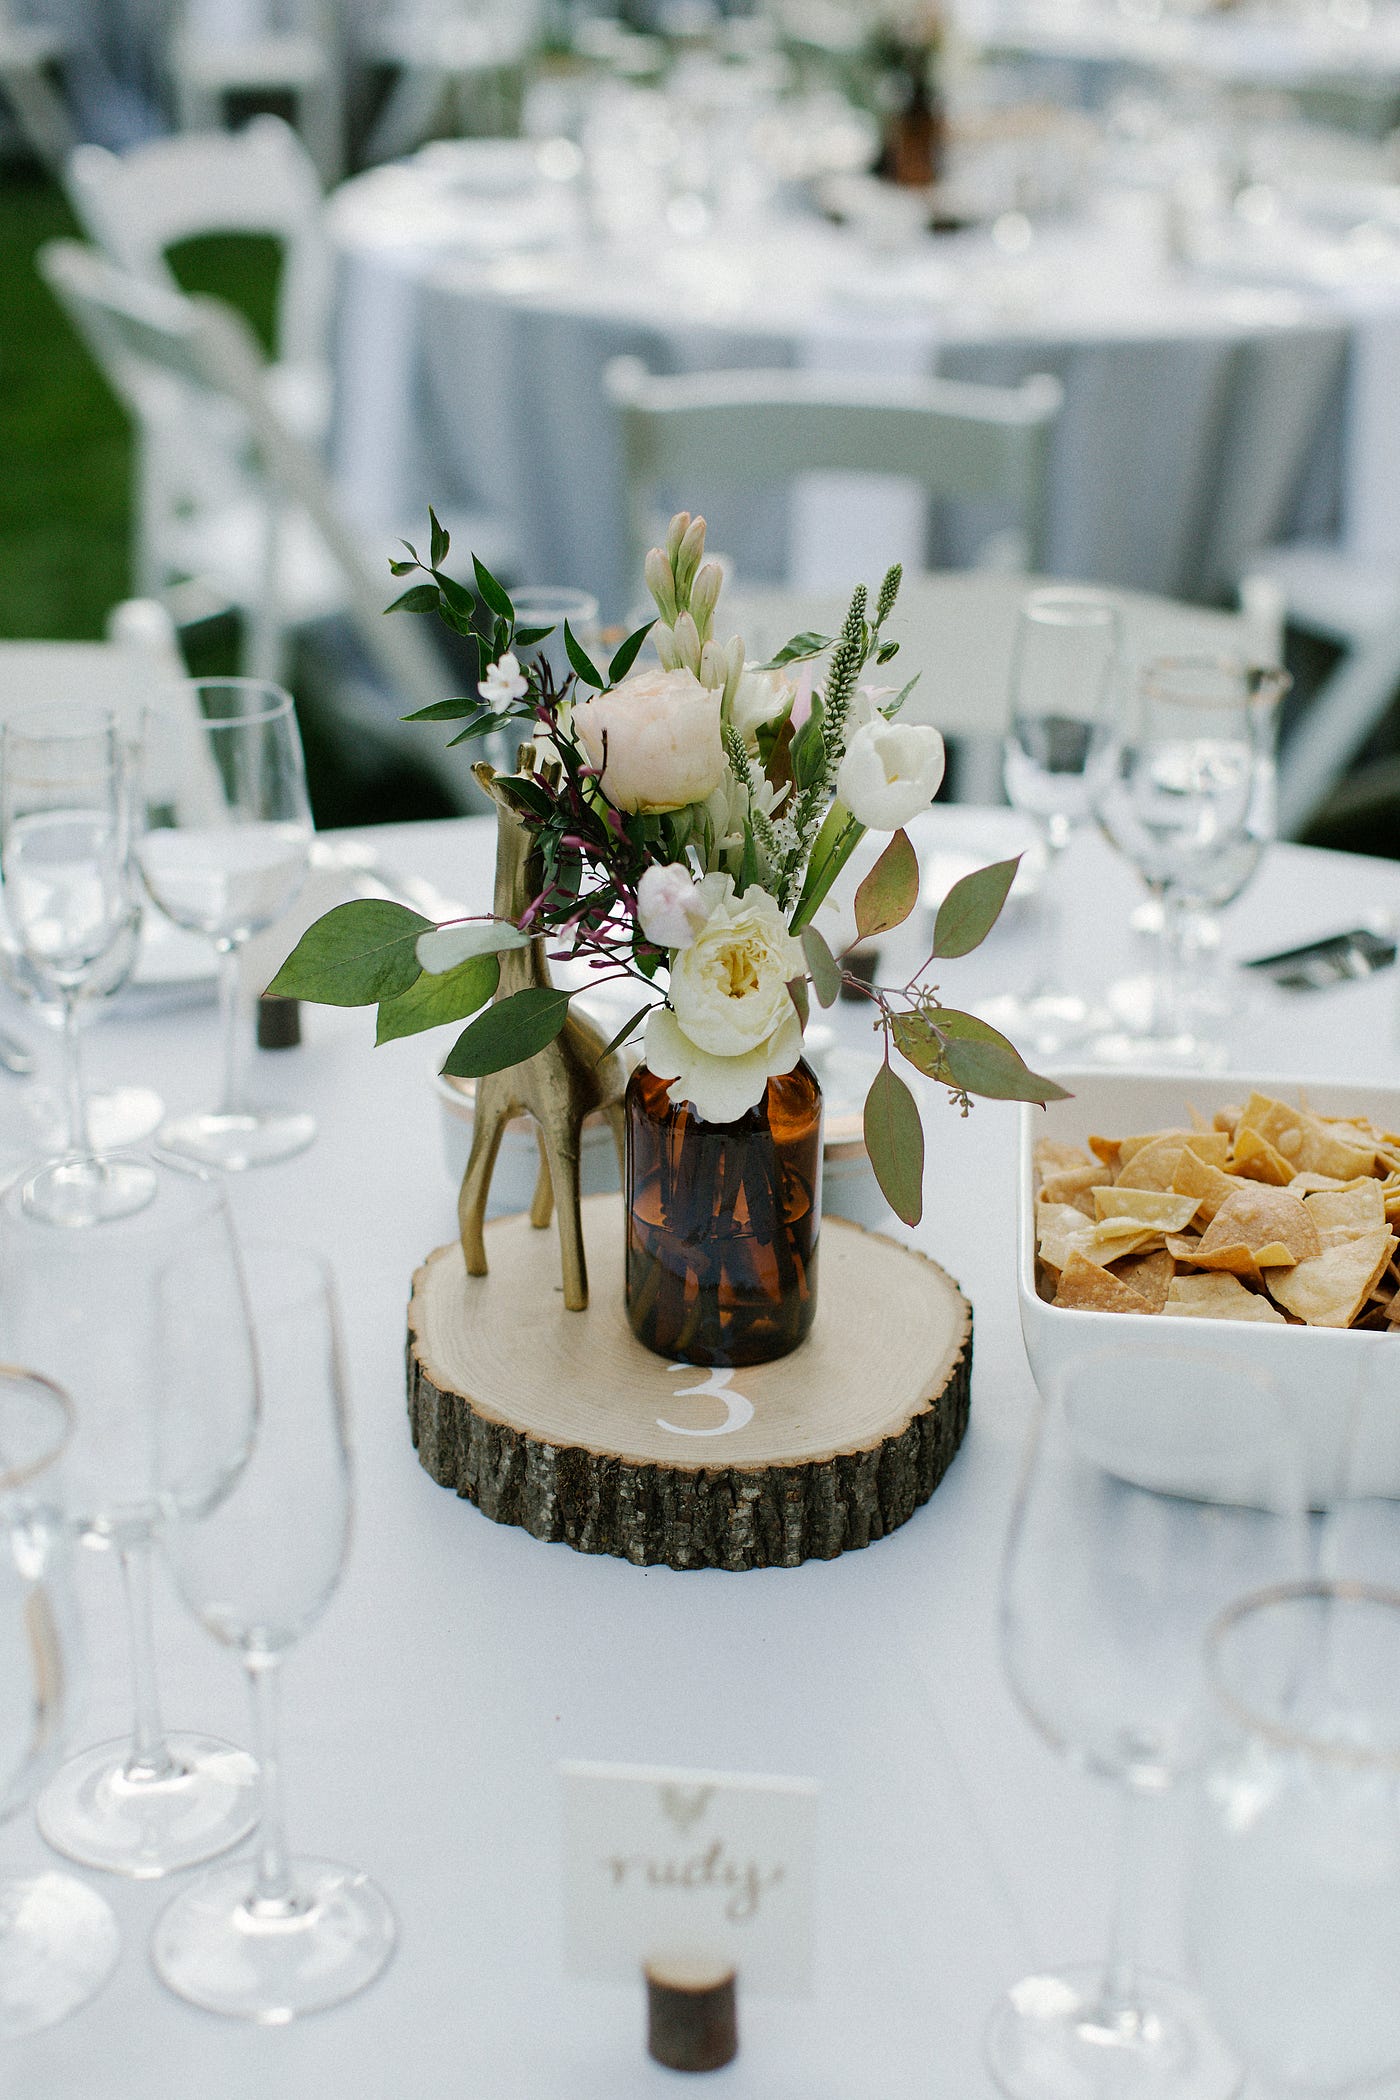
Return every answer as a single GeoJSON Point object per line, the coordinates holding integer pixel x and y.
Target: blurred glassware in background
{"type": "Point", "coordinates": [1295, 1888]}
{"type": "Point", "coordinates": [1190, 802]}
{"type": "Point", "coordinates": [1057, 754]}
{"type": "Point", "coordinates": [58, 1939]}
{"type": "Point", "coordinates": [269, 1938]}
{"type": "Point", "coordinates": [140, 1317]}
{"type": "Point", "coordinates": [64, 849]}
{"type": "Point", "coordinates": [223, 848]}
{"type": "Point", "coordinates": [1108, 1590]}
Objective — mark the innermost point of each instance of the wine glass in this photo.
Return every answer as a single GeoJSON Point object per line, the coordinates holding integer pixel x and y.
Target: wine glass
{"type": "Point", "coordinates": [64, 851]}
{"type": "Point", "coordinates": [123, 1314]}
{"type": "Point", "coordinates": [223, 852]}
{"type": "Point", "coordinates": [269, 1938]}
{"type": "Point", "coordinates": [1189, 802]}
{"type": "Point", "coordinates": [58, 1939]}
{"type": "Point", "coordinates": [1056, 752]}
{"type": "Point", "coordinates": [1294, 1911]}
{"type": "Point", "coordinates": [1108, 1587]}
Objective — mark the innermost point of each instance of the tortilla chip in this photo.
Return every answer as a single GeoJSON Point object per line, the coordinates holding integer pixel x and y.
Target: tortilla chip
{"type": "Point", "coordinates": [1148, 1274]}
{"type": "Point", "coordinates": [1211, 1188]}
{"type": "Point", "coordinates": [1242, 1261]}
{"type": "Point", "coordinates": [1257, 1158]}
{"type": "Point", "coordinates": [1227, 1119]}
{"type": "Point", "coordinates": [1217, 1298]}
{"type": "Point", "coordinates": [1105, 1150]}
{"type": "Point", "coordinates": [1262, 1218]}
{"type": "Point", "coordinates": [1053, 1157]}
{"type": "Point", "coordinates": [1072, 1186]}
{"type": "Point", "coordinates": [1330, 1289]}
{"type": "Point", "coordinates": [1154, 1165]}
{"type": "Point", "coordinates": [1347, 1214]}
{"type": "Point", "coordinates": [1312, 1145]}
{"type": "Point", "coordinates": [1087, 1288]}
{"type": "Point", "coordinates": [1182, 1246]}
{"type": "Point", "coordinates": [1169, 1213]}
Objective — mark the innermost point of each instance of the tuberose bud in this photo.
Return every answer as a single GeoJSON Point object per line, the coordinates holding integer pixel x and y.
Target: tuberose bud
{"type": "Point", "coordinates": [688, 558]}
{"type": "Point", "coordinates": [675, 533]}
{"type": "Point", "coordinates": [661, 582]}
{"type": "Point", "coordinates": [704, 593]}
{"type": "Point", "coordinates": [665, 642]}
{"type": "Point", "coordinates": [687, 636]}
{"type": "Point", "coordinates": [712, 666]}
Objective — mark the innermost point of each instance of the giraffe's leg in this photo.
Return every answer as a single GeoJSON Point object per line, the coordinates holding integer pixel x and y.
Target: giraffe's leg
{"type": "Point", "coordinates": [560, 1140]}
{"type": "Point", "coordinates": [617, 1118]}
{"type": "Point", "coordinates": [493, 1112]}
{"type": "Point", "coordinates": [542, 1207]}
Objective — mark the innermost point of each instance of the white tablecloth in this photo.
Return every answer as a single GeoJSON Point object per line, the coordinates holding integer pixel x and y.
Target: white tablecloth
{"type": "Point", "coordinates": [473, 333]}
{"type": "Point", "coordinates": [461, 1661]}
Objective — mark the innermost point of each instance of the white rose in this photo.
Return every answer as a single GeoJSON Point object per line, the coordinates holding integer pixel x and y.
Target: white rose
{"type": "Point", "coordinates": [761, 697]}
{"type": "Point", "coordinates": [672, 905]}
{"type": "Point", "coordinates": [890, 772]}
{"type": "Point", "coordinates": [731, 1025]}
{"type": "Point", "coordinates": [662, 738]}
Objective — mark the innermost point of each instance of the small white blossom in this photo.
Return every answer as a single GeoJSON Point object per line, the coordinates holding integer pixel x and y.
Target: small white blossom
{"type": "Point", "coordinates": [672, 906]}
{"type": "Point", "coordinates": [504, 681]}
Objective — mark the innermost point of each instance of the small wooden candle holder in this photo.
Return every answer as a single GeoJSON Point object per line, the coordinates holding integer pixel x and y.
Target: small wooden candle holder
{"type": "Point", "coordinates": [692, 2015]}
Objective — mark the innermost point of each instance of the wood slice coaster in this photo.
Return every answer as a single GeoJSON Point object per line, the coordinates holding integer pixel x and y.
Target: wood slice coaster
{"type": "Point", "coordinates": [561, 1422]}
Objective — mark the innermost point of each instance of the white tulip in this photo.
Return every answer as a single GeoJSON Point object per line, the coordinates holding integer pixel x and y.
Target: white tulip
{"type": "Point", "coordinates": [891, 771]}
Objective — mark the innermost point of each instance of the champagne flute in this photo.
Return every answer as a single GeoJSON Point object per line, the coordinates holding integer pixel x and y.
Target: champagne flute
{"type": "Point", "coordinates": [1108, 1588]}
{"type": "Point", "coordinates": [123, 1315]}
{"type": "Point", "coordinates": [58, 1939]}
{"type": "Point", "coordinates": [1189, 803]}
{"type": "Point", "coordinates": [276, 1936]}
{"type": "Point", "coordinates": [64, 851]}
{"type": "Point", "coordinates": [1056, 752]}
{"type": "Point", "coordinates": [1294, 1912]}
{"type": "Point", "coordinates": [223, 852]}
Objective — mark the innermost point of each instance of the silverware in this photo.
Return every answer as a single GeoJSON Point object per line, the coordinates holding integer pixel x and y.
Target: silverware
{"type": "Point", "coordinates": [14, 1057]}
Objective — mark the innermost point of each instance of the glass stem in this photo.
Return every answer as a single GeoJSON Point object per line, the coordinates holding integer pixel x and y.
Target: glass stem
{"type": "Point", "coordinates": [230, 1015]}
{"type": "Point", "coordinates": [150, 1760]}
{"type": "Point", "coordinates": [1171, 964]}
{"type": "Point", "coordinates": [1049, 979]}
{"type": "Point", "coordinates": [274, 1895]}
{"type": "Point", "coordinates": [1118, 2002]}
{"type": "Point", "coordinates": [79, 1140]}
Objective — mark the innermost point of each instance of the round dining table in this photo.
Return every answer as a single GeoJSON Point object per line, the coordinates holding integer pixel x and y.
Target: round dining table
{"type": "Point", "coordinates": [427, 1714]}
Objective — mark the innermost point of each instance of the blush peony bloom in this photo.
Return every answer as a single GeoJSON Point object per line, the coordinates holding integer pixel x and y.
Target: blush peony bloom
{"type": "Point", "coordinates": [890, 772]}
{"type": "Point", "coordinates": [662, 734]}
{"type": "Point", "coordinates": [731, 1025]}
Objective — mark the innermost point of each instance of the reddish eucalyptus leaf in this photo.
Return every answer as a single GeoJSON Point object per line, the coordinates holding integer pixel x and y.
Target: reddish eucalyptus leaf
{"type": "Point", "coordinates": [890, 891]}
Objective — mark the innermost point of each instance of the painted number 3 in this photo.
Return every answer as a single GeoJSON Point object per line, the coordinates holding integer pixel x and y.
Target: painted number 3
{"type": "Point", "coordinates": [738, 1412]}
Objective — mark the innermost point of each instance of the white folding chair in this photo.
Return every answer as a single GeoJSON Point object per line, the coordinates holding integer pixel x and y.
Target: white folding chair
{"type": "Point", "coordinates": [263, 47]}
{"type": "Point", "coordinates": [29, 52]}
{"type": "Point", "coordinates": [960, 442]}
{"type": "Point", "coordinates": [285, 555]}
{"type": "Point", "coordinates": [441, 51]}
{"type": "Point", "coordinates": [139, 205]}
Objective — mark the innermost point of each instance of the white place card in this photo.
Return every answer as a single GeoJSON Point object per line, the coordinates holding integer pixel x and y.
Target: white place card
{"type": "Point", "coordinates": [667, 1866]}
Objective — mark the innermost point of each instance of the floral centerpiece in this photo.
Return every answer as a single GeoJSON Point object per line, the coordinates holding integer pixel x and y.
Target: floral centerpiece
{"type": "Point", "coordinates": [689, 816]}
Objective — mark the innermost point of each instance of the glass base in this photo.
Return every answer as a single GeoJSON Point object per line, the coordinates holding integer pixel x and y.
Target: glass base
{"type": "Point", "coordinates": [212, 1947]}
{"type": "Point", "coordinates": [1042, 1024]}
{"type": "Point", "coordinates": [58, 1945]}
{"type": "Point", "coordinates": [79, 1192]}
{"type": "Point", "coordinates": [96, 1811]}
{"type": "Point", "coordinates": [1132, 1037]}
{"type": "Point", "coordinates": [1050, 2038]}
{"type": "Point", "coordinates": [123, 1115]}
{"type": "Point", "coordinates": [253, 1138]}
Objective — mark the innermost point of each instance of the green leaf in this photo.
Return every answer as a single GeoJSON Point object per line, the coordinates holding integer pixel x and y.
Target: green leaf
{"type": "Point", "coordinates": [920, 1037]}
{"type": "Point", "coordinates": [748, 861]}
{"type": "Point", "coordinates": [491, 591]}
{"type": "Point", "coordinates": [797, 651]}
{"type": "Point", "coordinates": [422, 598]}
{"type": "Point", "coordinates": [886, 652]}
{"type": "Point", "coordinates": [890, 891]}
{"type": "Point", "coordinates": [445, 948]}
{"type": "Point", "coordinates": [528, 637]}
{"type": "Point", "coordinates": [402, 568]}
{"type": "Point", "coordinates": [434, 1000]}
{"type": "Point", "coordinates": [808, 750]}
{"type": "Point", "coordinates": [625, 655]}
{"type": "Point", "coordinates": [826, 971]}
{"type": "Point", "coordinates": [626, 1029]}
{"type": "Point", "coordinates": [445, 711]}
{"type": "Point", "coordinates": [996, 1071]}
{"type": "Point", "coordinates": [892, 708]}
{"type": "Point", "coordinates": [356, 955]}
{"type": "Point", "coordinates": [580, 659]}
{"type": "Point", "coordinates": [797, 992]}
{"type": "Point", "coordinates": [457, 595]}
{"type": "Point", "coordinates": [835, 843]}
{"type": "Point", "coordinates": [971, 908]}
{"type": "Point", "coordinates": [507, 1034]}
{"type": "Point", "coordinates": [894, 1138]}
{"type": "Point", "coordinates": [440, 542]}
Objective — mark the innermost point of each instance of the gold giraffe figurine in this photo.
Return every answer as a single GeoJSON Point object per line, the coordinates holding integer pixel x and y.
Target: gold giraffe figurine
{"type": "Point", "coordinates": [558, 1086]}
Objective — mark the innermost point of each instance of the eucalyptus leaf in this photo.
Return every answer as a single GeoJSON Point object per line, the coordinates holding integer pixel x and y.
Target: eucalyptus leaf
{"type": "Point", "coordinates": [422, 598]}
{"type": "Point", "coordinates": [826, 971]}
{"type": "Point", "coordinates": [580, 659]}
{"type": "Point", "coordinates": [921, 1038]}
{"type": "Point", "coordinates": [356, 955]}
{"type": "Point", "coordinates": [894, 1139]}
{"type": "Point", "coordinates": [890, 891]}
{"type": "Point", "coordinates": [998, 1073]}
{"type": "Point", "coordinates": [445, 947]}
{"type": "Point", "coordinates": [971, 908]}
{"type": "Point", "coordinates": [508, 1033]}
{"type": "Point", "coordinates": [492, 592]}
{"type": "Point", "coordinates": [436, 999]}
{"type": "Point", "coordinates": [625, 655]}
{"type": "Point", "coordinates": [798, 993]}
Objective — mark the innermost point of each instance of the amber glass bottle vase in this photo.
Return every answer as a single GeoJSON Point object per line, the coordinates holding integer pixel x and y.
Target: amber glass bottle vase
{"type": "Point", "coordinates": [722, 1222]}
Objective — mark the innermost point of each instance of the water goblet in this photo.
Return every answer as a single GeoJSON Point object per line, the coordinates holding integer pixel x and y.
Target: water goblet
{"type": "Point", "coordinates": [1107, 1589]}
{"type": "Point", "coordinates": [1056, 752]}
{"type": "Point", "coordinates": [1189, 803]}
{"type": "Point", "coordinates": [223, 851]}
{"type": "Point", "coordinates": [1294, 1911]}
{"type": "Point", "coordinates": [58, 1939]}
{"type": "Point", "coordinates": [64, 851]}
{"type": "Point", "coordinates": [125, 1315]}
{"type": "Point", "coordinates": [272, 1937]}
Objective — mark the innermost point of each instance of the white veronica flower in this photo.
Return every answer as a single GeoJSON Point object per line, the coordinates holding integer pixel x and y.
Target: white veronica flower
{"type": "Point", "coordinates": [504, 681]}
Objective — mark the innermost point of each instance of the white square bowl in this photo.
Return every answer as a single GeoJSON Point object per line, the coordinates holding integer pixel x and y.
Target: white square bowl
{"type": "Point", "coordinates": [1224, 1410]}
